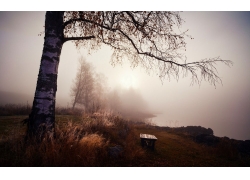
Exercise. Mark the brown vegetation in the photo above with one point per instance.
(14, 109)
(106, 140)
(85, 142)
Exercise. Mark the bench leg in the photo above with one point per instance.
(153, 145)
(142, 142)
(148, 143)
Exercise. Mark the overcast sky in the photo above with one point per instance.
(225, 108)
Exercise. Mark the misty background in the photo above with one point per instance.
(225, 108)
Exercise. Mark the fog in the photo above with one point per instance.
(225, 108)
(129, 104)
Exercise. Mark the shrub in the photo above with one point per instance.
(14, 109)
(76, 144)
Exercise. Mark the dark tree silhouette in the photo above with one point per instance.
(149, 39)
(82, 90)
(88, 88)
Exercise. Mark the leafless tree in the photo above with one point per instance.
(89, 88)
(99, 101)
(152, 40)
(114, 101)
(82, 91)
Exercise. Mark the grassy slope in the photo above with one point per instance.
(180, 150)
(171, 149)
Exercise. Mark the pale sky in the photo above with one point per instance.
(225, 34)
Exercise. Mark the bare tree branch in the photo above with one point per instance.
(146, 38)
(71, 21)
(77, 38)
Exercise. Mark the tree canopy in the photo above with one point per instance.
(88, 88)
(152, 40)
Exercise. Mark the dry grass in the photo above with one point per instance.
(25, 109)
(88, 140)
(14, 109)
(176, 149)
(85, 143)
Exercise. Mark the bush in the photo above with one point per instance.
(14, 109)
(76, 144)
(25, 109)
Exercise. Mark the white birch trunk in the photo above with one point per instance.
(42, 118)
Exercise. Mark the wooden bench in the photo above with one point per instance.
(148, 140)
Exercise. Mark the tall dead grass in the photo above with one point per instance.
(11, 109)
(15, 109)
(87, 143)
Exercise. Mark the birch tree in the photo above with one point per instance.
(149, 39)
(89, 88)
(82, 90)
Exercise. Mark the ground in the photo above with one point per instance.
(89, 143)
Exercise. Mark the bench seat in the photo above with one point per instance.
(148, 140)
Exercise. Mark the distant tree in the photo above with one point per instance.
(89, 88)
(114, 101)
(149, 39)
(133, 105)
(82, 91)
(99, 101)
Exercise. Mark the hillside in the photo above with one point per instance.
(84, 141)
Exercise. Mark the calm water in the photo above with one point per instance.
(232, 129)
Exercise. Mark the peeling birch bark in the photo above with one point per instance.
(42, 117)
